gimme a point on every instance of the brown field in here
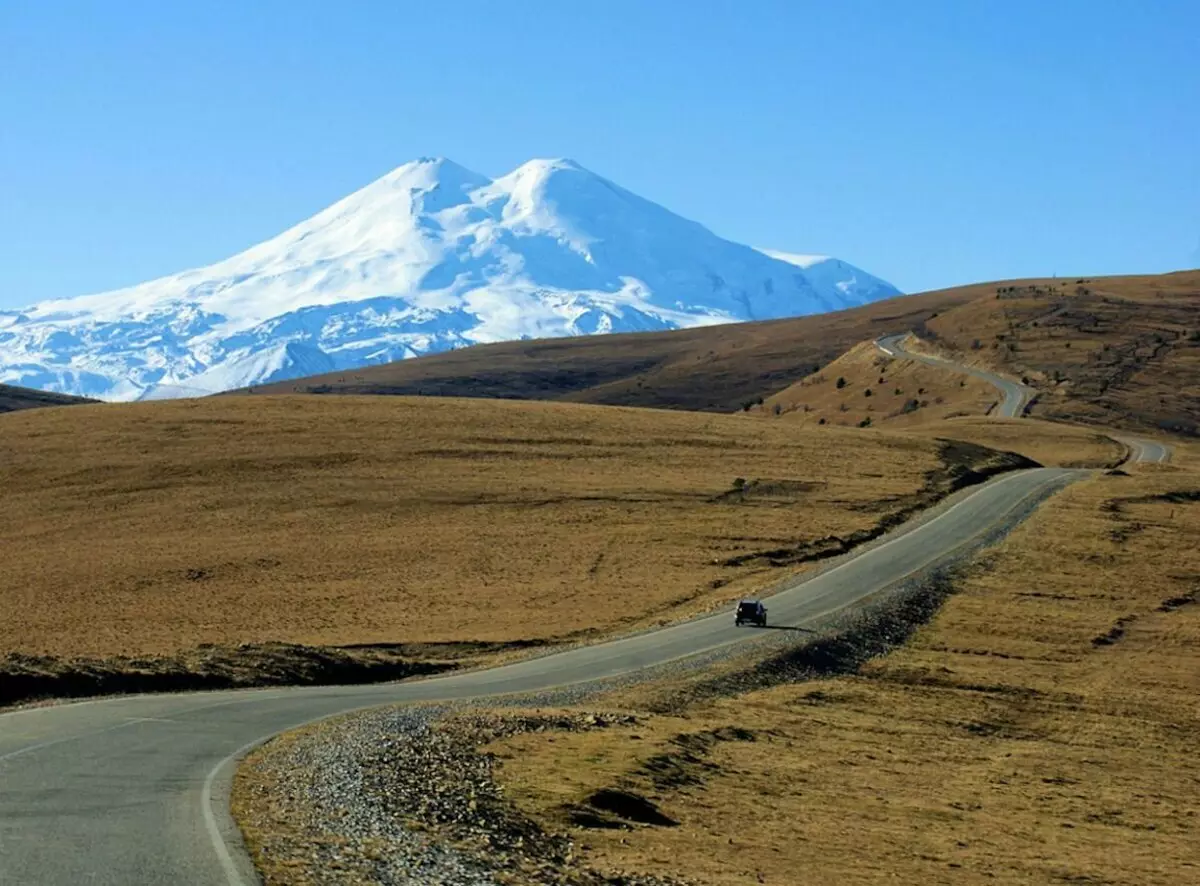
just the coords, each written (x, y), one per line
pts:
(146, 529)
(714, 368)
(13, 398)
(1040, 730)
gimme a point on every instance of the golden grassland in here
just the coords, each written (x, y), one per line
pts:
(1041, 729)
(865, 385)
(145, 529)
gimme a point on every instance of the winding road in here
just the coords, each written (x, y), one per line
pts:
(134, 790)
(1016, 395)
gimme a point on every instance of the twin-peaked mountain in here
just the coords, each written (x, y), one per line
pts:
(430, 257)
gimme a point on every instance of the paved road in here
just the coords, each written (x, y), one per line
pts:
(1016, 395)
(131, 790)
(1147, 451)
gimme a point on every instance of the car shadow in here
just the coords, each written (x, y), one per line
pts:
(788, 628)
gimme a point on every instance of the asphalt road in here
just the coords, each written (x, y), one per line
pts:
(133, 790)
(1016, 395)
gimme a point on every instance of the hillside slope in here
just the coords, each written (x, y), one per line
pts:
(714, 368)
(1113, 351)
(13, 398)
(1117, 351)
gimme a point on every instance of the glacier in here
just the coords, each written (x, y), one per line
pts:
(430, 257)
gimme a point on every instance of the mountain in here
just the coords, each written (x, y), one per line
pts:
(428, 258)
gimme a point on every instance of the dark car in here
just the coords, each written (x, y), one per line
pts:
(751, 611)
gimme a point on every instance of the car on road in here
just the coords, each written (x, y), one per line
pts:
(751, 611)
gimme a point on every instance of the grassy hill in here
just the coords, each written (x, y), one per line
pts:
(13, 398)
(714, 368)
(1120, 351)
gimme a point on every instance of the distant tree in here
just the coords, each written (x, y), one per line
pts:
(821, 421)
(865, 423)
(841, 382)
(739, 483)
(778, 408)
(897, 392)
(866, 392)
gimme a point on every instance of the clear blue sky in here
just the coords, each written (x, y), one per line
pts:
(932, 143)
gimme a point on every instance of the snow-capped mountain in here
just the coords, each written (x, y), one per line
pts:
(432, 256)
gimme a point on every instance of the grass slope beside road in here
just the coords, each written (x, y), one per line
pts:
(1040, 729)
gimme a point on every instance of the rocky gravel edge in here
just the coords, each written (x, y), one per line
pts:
(403, 795)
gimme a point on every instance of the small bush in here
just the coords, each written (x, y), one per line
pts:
(778, 408)
(910, 406)
(865, 423)
(976, 344)
(866, 392)
(739, 483)
(841, 382)
(897, 392)
(820, 421)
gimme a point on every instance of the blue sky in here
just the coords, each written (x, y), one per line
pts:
(931, 143)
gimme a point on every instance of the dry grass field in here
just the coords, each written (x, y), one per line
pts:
(147, 529)
(1041, 729)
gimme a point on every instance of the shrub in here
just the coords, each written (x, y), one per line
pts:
(910, 406)
(865, 423)
(976, 344)
(739, 483)
(778, 408)
(841, 382)
(866, 392)
(820, 421)
(898, 392)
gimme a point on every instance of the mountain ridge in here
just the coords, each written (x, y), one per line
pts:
(427, 258)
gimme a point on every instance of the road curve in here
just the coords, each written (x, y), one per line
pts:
(133, 790)
(1017, 396)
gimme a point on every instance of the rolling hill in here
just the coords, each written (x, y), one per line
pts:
(13, 398)
(1117, 351)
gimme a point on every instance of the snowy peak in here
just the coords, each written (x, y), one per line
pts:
(428, 257)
